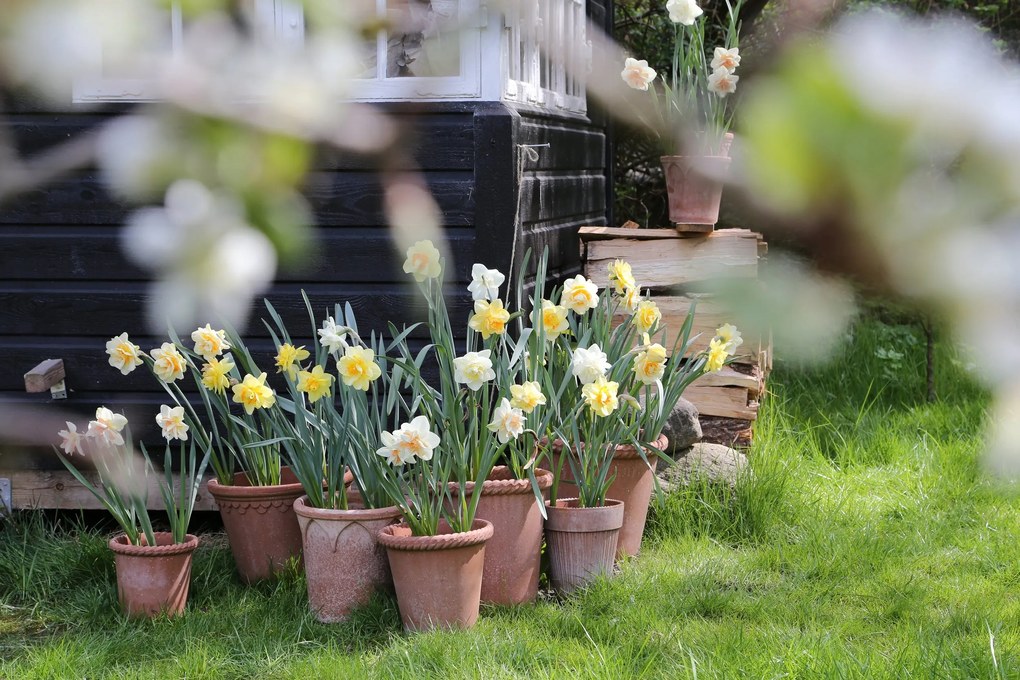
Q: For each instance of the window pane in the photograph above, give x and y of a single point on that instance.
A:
(424, 41)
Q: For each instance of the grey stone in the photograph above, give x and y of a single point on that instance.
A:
(683, 428)
(714, 463)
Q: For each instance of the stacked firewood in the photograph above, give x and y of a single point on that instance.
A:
(679, 268)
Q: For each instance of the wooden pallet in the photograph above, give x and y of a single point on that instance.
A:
(59, 490)
(677, 267)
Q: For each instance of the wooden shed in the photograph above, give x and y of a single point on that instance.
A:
(66, 288)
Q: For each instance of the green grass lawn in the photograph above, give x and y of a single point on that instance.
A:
(864, 543)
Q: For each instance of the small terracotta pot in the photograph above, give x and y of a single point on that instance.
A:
(513, 556)
(344, 562)
(153, 579)
(261, 525)
(582, 542)
(438, 578)
(633, 484)
(694, 186)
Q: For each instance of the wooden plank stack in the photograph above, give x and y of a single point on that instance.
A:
(676, 267)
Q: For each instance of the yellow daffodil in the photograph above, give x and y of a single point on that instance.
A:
(422, 261)
(646, 316)
(729, 336)
(171, 420)
(358, 368)
(601, 396)
(209, 343)
(253, 393)
(215, 375)
(527, 396)
(621, 277)
(717, 356)
(168, 364)
(124, 354)
(489, 318)
(315, 383)
(650, 365)
(554, 320)
(579, 295)
(289, 358)
(631, 299)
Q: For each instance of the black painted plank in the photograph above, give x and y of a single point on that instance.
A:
(547, 196)
(338, 199)
(496, 186)
(347, 254)
(436, 142)
(573, 145)
(106, 309)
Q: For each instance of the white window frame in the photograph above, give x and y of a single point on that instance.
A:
(561, 24)
(471, 16)
(277, 20)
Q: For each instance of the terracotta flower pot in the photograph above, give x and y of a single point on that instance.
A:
(633, 484)
(582, 542)
(438, 579)
(261, 525)
(694, 186)
(153, 579)
(514, 553)
(344, 562)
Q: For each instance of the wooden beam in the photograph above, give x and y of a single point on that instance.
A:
(45, 375)
(605, 233)
(708, 316)
(729, 402)
(59, 490)
(665, 262)
(727, 377)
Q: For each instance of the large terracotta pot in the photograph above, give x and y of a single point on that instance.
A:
(344, 562)
(694, 186)
(261, 525)
(582, 542)
(153, 579)
(513, 556)
(438, 578)
(633, 484)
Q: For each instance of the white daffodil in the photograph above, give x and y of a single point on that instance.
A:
(474, 369)
(485, 282)
(722, 82)
(507, 422)
(70, 439)
(107, 426)
(171, 421)
(683, 11)
(412, 441)
(589, 365)
(124, 354)
(637, 73)
(579, 295)
(332, 337)
(728, 59)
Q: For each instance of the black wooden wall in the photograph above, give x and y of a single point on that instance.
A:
(65, 287)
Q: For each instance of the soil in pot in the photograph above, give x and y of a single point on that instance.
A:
(344, 562)
(153, 579)
(438, 579)
(582, 542)
(261, 525)
(513, 554)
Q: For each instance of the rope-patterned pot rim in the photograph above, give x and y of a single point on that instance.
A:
(163, 547)
(247, 493)
(505, 484)
(399, 537)
(627, 451)
(302, 508)
(623, 451)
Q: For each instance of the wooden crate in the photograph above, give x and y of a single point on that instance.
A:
(677, 267)
(59, 490)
